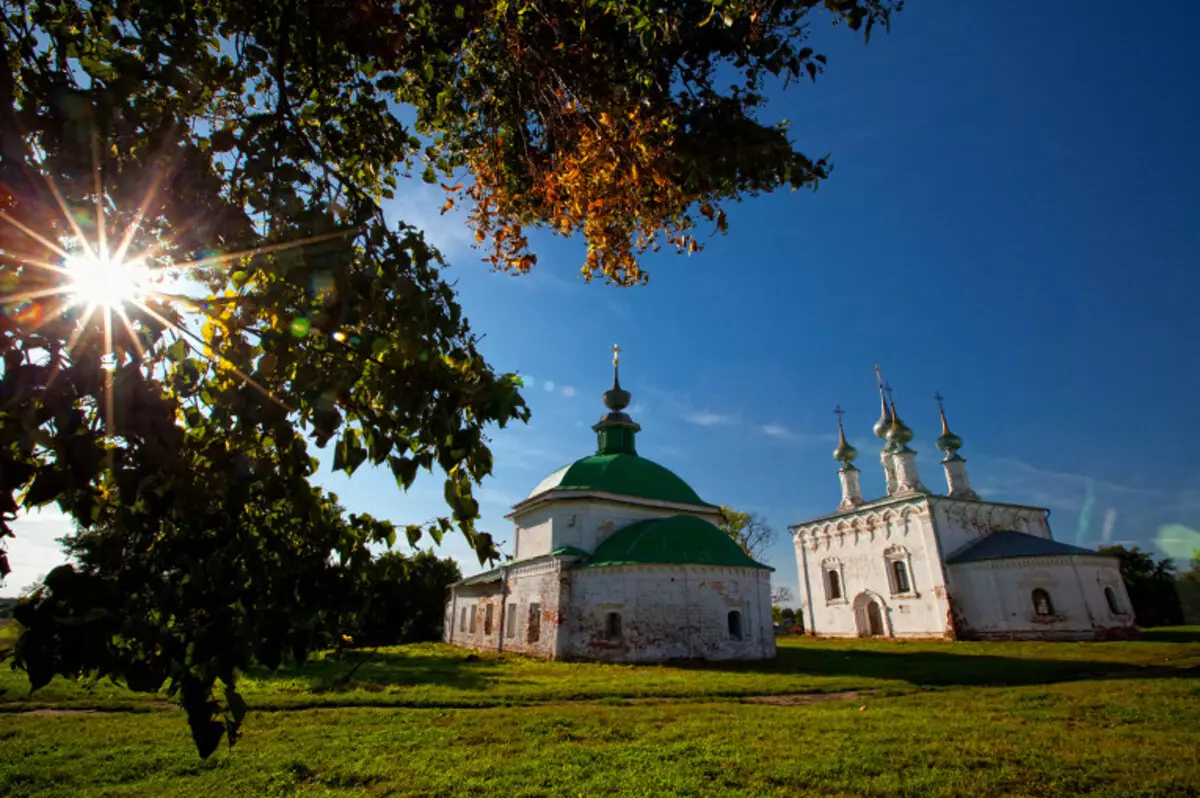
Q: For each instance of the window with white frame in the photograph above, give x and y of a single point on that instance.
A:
(899, 570)
(835, 583)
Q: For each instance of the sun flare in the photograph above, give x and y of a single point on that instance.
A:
(110, 283)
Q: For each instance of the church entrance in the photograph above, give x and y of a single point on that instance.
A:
(868, 616)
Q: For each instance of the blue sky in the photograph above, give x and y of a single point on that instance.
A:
(1013, 219)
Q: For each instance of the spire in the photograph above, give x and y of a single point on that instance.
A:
(616, 399)
(848, 474)
(898, 434)
(844, 453)
(615, 430)
(885, 417)
(904, 459)
(947, 442)
(957, 484)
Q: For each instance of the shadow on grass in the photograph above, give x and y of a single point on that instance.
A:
(371, 671)
(1173, 634)
(940, 669)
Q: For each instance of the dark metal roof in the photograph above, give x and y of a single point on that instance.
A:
(1010, 544)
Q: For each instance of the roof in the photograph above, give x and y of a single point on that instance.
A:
(622, 474)
(674, 540)
(1009, 544)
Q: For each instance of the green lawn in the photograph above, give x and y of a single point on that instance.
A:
(939, 718)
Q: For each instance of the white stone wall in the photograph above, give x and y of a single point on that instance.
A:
(861, 548)
(583, 523)
(993, 599)
(670, 612)
(512, 597)
(959, 523)
(532, 536)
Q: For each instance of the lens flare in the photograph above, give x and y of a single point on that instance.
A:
(109, 283)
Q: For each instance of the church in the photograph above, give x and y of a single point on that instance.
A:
(617, 559)
(913, 563)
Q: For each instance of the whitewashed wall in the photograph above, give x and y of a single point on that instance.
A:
(961, 522)
(993, 599)
(583, 523)
(670, 612)
(861, 546)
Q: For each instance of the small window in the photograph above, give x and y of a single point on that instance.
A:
(487, 620)
(535, 623)
(835, 585)
(1111, 597)
(735, 625)
(474, 612)
(510, 621)
(462, 620)
(1041, 602)
(900, 576)
(612, 626)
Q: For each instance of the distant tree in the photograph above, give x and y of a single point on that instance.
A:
(404, 598)
(748, 530)
(788, 615)
(1188, 587)
(781, 594)
(777, 614)
(1151, 586)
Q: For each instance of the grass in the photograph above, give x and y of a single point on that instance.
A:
(939, 719)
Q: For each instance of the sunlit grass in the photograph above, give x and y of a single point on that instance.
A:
(927, 718)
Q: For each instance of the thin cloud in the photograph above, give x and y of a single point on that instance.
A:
(568, 390)
(777, 431)
(706, 418)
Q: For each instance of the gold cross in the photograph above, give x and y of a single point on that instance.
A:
(616, 354)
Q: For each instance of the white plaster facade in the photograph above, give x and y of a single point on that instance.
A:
(889, 568)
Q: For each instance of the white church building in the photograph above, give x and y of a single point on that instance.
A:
(913, 563)
(616, 558)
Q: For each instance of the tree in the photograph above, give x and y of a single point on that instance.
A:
(1150, 584)
(781, 594)
(749, 530)
(404, 599)
(245, 148)
(1188, 587)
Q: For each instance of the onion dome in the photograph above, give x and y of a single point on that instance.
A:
(844, 453)
(947, 442)
(898, 434)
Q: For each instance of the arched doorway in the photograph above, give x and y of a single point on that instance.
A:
(869, 616)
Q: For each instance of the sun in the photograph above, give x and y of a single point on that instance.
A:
(106, 282)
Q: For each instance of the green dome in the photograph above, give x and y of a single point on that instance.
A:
(623, 474)
(675, 540)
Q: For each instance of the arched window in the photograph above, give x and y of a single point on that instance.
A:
(735, 625)
(612, 626)
(900, 576)
(1041, 602)
(835, 585)
(1111, 597)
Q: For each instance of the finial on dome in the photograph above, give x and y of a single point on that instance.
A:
(885, 418)
(844, 453)
(947, 442)
(616, 399)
